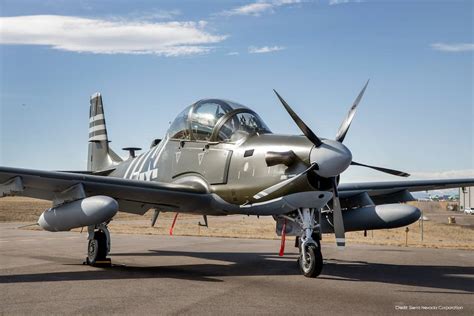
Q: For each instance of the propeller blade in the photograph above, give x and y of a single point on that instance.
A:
(389, 171)
(341, 134)
(283, 183)
(303, 127)
(338, 221)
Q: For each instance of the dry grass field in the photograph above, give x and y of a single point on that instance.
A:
(437, 232)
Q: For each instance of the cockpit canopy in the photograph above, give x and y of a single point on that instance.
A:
(216, 120)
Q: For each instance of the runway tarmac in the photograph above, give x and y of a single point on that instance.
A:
(41, 272)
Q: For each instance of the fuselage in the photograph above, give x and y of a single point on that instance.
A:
(226, 148)
(234, 171)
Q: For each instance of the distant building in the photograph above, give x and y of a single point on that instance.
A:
(466, 198)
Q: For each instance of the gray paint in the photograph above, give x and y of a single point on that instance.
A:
(81, 213)
(377, 217)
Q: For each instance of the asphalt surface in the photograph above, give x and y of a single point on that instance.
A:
(41, 273)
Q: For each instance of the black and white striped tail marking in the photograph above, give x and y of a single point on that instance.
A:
(97, 128)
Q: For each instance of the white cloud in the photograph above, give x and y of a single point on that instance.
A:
(336, 2)
(454, 47)
(450, 174)
(258, 8)
(251, 9)
(100, 36)
(150, 15)
(265, 49)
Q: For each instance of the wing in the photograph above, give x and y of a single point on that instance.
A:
(133, 196)
(394, 191)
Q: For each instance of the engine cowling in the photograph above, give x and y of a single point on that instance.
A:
(85, 212)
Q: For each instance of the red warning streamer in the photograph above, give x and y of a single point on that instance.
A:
(172, 225)
(283, 238)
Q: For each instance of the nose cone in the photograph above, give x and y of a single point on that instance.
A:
(332, 158)
(397, 215)
(43, 223)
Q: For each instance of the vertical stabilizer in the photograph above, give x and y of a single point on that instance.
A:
(100, 156)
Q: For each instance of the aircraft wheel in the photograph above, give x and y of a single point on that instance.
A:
(313, 265)
(97, 248)
(298, 243)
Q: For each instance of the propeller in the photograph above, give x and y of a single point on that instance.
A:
(386, 170)
(331, 156)
(283, 183)
(338, 222)
(328, 158)
(341, 134)
(303, 127)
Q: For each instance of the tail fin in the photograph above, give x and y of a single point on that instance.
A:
(100, 156)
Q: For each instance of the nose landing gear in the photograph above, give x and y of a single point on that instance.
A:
(310, 260)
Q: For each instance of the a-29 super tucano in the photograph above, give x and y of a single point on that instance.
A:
(219, 158)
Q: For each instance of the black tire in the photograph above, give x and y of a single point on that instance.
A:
(314, 263)
(97, 248)
(316, 237)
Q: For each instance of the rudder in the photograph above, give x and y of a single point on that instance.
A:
(100, 156)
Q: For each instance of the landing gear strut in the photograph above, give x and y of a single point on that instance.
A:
(310, 260)
(99, 245)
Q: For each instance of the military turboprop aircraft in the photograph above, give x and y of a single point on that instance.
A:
(219, 158)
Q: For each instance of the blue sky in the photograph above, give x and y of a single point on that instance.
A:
(149, 59)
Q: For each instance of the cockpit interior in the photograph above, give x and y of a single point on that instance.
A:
(216, 120)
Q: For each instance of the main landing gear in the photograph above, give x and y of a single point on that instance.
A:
(310, 260)
(99, 246)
